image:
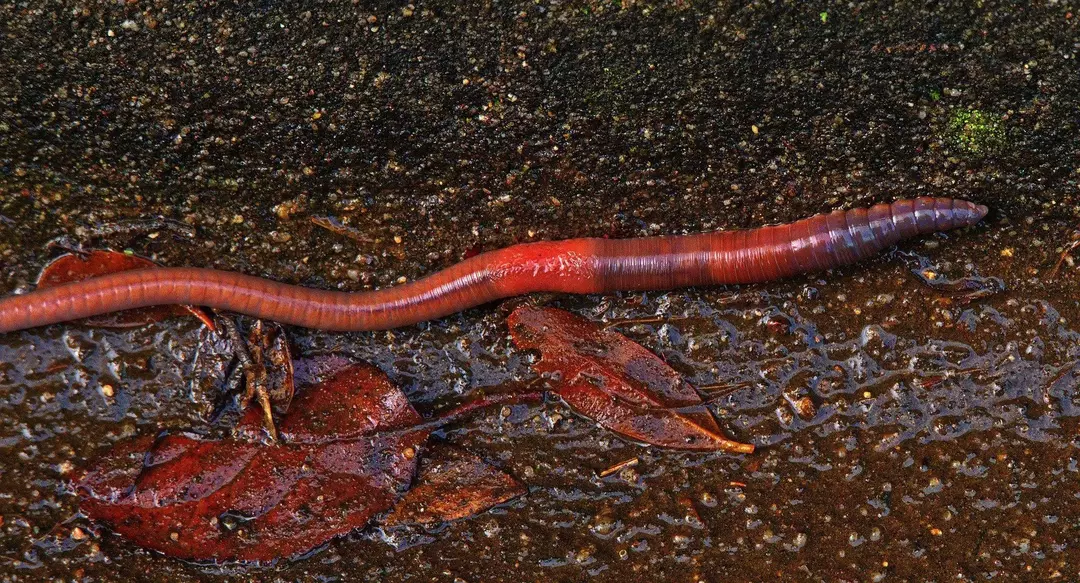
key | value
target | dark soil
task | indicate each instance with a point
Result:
(941, 440)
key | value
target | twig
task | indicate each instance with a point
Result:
(335, 226)
(1064, 255)
(619, 467)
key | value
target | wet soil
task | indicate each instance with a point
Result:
(904, 434)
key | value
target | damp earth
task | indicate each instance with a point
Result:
(908, 428)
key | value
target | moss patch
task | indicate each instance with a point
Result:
(975, 132)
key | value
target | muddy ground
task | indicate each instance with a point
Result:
(942, 441)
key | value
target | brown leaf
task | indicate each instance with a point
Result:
(616, 382)
(70, 268)
(269, 346)
(453, 484)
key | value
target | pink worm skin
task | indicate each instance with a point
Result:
(580, 266)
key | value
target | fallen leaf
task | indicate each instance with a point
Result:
(71, 268)
(616, 382)
(356, 402)
(349, 449)
(113, 478)
(314, 369)
(453, 484)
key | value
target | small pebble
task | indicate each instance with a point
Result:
(805, 407)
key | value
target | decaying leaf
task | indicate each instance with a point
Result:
(617, 382)
(71, 267)
(453, 484)
(267, 364)
(269, 346)
(350, 450)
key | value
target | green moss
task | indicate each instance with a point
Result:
(975, 132)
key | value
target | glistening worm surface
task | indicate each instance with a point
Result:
(572, 266)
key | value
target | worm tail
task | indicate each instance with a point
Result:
(844, 237)
(814, 244)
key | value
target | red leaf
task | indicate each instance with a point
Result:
(453, 484)
(114, 477)
(616, 382)
(357, 401)
(349, 450)
(70, 268)
(310, 370)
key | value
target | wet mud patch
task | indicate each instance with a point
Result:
(903, 435)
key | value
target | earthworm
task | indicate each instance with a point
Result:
(583, 266)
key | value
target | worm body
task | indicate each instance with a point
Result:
(573, 266)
